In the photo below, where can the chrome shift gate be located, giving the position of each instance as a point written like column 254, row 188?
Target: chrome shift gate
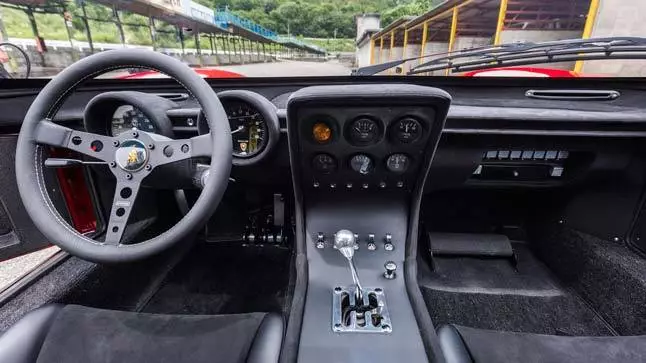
column 350, row 315
column 356, row 309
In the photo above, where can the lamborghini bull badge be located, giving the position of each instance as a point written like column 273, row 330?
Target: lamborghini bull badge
column 132, row 155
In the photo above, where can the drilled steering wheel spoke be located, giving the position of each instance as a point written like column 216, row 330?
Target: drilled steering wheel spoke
column 170, row 151
column 93, row 145
column 122, row 205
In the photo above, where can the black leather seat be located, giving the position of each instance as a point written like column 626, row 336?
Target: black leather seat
column 70, row 334
column 466, row 345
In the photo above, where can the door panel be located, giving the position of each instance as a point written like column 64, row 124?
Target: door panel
column 18, row 235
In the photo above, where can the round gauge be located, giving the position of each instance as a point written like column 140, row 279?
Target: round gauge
column 127, row 117
column 407, row 130
column 362, row 164
column 398, row 163
column 248, row 128
column 363, row 131
column 321, row 132
column 324, row 163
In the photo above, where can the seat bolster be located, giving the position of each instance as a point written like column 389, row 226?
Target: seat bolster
column 453, row 347
column 23, row 341
column 266, row 345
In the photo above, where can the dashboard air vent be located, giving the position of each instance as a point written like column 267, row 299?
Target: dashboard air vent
column 573, row 95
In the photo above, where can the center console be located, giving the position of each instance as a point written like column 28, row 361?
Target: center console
column 360, row 156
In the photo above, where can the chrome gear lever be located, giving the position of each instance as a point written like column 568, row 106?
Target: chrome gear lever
column 345, row 242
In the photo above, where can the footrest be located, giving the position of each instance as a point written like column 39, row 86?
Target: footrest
column 471, row 245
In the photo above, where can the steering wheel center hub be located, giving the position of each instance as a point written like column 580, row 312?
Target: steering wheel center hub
column 132, row 155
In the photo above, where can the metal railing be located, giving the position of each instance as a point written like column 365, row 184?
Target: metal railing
column 224, row 18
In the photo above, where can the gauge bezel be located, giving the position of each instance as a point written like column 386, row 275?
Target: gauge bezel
column 349, row 125
column 395, row 126
column 227, row 104
column 410, row 163
column 267, row 110
column 97, row 117
column 372, row 160
column 336, row 163
column 331, row 122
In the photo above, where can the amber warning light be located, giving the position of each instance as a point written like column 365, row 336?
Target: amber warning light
column 321, row 132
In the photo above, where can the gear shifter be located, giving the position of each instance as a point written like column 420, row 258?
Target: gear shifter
column 345, row 242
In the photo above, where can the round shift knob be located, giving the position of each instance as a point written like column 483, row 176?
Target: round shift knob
column 345, row 242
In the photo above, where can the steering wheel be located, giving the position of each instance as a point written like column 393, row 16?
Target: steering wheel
column 131, row 157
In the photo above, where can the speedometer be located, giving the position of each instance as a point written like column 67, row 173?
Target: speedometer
column 248, row 128
column 127, row 117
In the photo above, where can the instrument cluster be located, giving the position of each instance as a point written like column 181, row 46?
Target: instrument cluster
column 361, row 133
column 127, row 117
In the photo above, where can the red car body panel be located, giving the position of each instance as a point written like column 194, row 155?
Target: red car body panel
column 523, row 72
column 204, row 72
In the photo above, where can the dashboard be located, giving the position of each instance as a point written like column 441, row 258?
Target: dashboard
column 487, row 120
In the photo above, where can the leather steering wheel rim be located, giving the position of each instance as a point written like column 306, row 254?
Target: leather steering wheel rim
column 33, row 134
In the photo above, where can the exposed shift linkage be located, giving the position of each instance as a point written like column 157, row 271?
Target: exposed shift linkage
column 345, row 241
column 366, row 311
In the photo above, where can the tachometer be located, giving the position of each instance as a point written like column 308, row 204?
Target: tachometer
column 126, row 117
column 248, row 128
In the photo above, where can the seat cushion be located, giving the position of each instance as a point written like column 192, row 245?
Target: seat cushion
column 80, row 334
column 461, row 344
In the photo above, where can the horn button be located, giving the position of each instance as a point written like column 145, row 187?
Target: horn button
column 132, row 155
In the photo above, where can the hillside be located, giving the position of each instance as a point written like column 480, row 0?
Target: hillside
column 319, row 18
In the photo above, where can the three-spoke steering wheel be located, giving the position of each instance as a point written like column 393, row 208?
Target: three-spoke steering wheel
column 131, row 157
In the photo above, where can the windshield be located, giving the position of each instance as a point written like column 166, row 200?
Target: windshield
column 286, row 38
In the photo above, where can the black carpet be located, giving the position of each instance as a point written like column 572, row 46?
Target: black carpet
column 608, row 274
column 216, row 279
column 493, row 294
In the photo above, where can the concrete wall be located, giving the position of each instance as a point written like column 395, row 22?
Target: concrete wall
column 412, row 50
column 619, row 18
column 470, row 42
column 434, row 48
column 367, row 22
column 514, row 36
column 397, row 53
column 383, row 56
column 54, row 60
column 363, row 54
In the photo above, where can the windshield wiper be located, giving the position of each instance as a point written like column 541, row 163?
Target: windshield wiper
column 517, row 54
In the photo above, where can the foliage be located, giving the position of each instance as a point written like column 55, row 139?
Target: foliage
column 320, row 18
column 325, row 19
column 332, row 45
